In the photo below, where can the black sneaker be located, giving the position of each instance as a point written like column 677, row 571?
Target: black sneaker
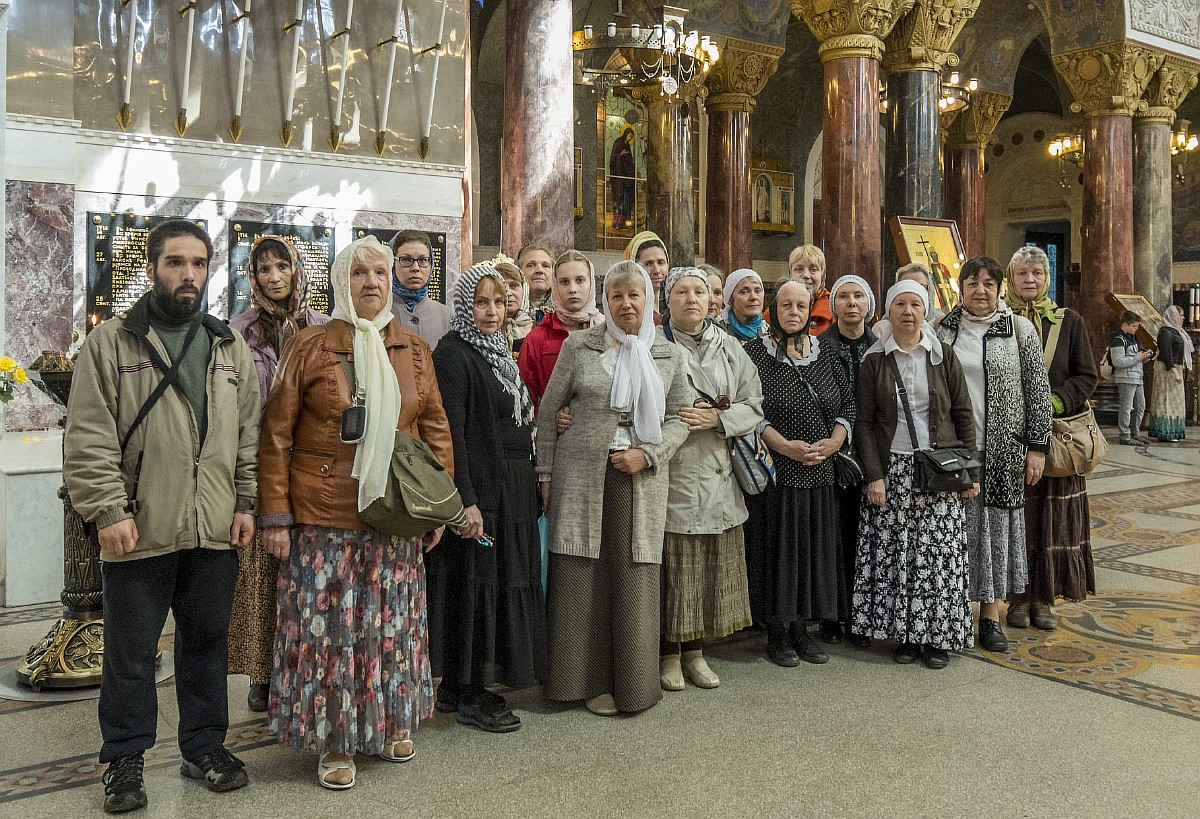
column 123, row 787
column 217, row 770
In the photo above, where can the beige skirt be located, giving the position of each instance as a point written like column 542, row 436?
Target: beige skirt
column 704, row 591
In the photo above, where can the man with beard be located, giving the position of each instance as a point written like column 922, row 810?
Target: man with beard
column 160, row 457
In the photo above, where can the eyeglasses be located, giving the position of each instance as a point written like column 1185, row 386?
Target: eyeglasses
column 408, row 261
column 721, row 402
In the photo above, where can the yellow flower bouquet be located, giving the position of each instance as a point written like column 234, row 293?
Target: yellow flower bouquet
column 11, row 373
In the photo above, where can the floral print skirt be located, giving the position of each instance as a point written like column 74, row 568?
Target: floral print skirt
column 351, row 649
column 910, row 582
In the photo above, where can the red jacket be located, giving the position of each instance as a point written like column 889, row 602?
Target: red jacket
column 538, row 355
column 821, row 317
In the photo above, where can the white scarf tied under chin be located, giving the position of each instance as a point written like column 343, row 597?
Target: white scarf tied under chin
column 373, row 372
column 637, row 385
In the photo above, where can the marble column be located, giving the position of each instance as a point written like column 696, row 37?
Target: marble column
column 733, row 83
column 537, row 168
column 967, row 137
column 1107, row 227
column 1152, row 177
column 913, row 186
column 1152, row 209
column 669, row 210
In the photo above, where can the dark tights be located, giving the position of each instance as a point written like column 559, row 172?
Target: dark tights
column 666, row 647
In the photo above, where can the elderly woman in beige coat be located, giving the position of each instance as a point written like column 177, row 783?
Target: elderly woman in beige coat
column 604, row 483
column 704, row 560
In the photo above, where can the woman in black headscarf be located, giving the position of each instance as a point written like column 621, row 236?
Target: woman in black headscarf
column 793, row 540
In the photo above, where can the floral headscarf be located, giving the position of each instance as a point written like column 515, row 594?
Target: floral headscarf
column 277, row 323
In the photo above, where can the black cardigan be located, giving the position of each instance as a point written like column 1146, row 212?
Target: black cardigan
column 469, row 393
column 1170, row 348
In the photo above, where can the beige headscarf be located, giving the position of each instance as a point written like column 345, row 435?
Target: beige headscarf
column 372, row 371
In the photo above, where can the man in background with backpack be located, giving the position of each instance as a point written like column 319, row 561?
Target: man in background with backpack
column 1127, row 359
column 160, row 457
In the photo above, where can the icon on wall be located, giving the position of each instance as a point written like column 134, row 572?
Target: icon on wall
column 772, row 197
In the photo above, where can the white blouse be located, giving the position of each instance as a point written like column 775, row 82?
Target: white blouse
column 914, row 375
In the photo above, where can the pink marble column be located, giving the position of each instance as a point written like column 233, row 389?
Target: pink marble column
column 727, row 231
column 964, row 196
column 537, row 169
column 1107, row 220
column 851, row 188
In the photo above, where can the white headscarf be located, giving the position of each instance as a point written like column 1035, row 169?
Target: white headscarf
column 731, row 283
column 637, row 385
column 883, row 328
column 866, row 288
column 373, row 372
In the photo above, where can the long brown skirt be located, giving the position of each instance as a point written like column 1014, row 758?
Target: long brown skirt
column 704, row 586
column 252, row 623
column 1058, row 540
column 602, row 614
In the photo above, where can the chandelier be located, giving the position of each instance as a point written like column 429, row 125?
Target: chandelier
column 955, row 95
column 1182, row 146
column 1068, row 150
column 663, row 53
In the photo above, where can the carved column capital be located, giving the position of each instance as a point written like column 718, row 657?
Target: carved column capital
column 739, row 76
column 1167, row 88
column 921, row 39
column 1109, row 78
column 851, row 28
column 975, row 124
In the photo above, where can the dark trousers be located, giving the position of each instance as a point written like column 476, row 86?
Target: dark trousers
column 196, row 585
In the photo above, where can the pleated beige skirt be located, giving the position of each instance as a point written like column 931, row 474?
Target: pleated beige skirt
column 704, row 593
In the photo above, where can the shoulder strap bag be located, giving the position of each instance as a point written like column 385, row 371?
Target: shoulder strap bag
column 420, row 495
column 934, row 470
column 1077, row 446
column 753, row 466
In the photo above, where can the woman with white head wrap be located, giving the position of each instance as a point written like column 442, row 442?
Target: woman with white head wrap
column 1175, row 355
column 486, row 609
column 351, row 653
column 911, row 578
column 704, row 558
column 742, row 317
column 604, row 485
column 847, row 339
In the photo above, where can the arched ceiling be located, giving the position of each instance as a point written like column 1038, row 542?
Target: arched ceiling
column 993, row 42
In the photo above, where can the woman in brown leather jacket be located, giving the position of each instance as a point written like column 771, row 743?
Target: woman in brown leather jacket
column 351, row 653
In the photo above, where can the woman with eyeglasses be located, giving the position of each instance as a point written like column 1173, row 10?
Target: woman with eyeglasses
column 704, row 559
column 794, row 551
column 411, row 305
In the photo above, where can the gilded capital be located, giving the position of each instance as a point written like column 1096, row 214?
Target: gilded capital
column 851, row 28
column 739, row 76
column 975, row 124
column 1110, row 78
column 922, row 38
column 1167, row 88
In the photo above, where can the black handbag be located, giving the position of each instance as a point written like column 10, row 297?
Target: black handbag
column 935, row 471
column 847, row 471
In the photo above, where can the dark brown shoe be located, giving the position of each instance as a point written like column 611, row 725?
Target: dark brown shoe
column 1018, row 614
column 1042, row 617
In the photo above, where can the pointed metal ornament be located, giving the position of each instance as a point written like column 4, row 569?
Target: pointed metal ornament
column 424, row 149
column 235, row 129
column 335, row 138
column 285, row 136
column 181, row 122
column 125, row 116
column 381, row 144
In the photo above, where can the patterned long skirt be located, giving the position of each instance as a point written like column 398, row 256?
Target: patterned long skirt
column 351, row 651
column 1059, row 542
column 996, row 551
column 1167, row 406
column 704, row 586
column 252, row 622
column 911, row 579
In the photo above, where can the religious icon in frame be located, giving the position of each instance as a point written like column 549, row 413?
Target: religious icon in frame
column 934, row 243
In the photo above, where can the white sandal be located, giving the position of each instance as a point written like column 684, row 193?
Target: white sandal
column 389, row 752
column 324, row 769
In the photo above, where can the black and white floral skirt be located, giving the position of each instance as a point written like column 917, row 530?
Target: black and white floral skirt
column 910, row 581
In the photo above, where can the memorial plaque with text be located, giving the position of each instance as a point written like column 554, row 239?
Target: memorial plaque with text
column 437, row 255
column 116, row 261
column 313, row 243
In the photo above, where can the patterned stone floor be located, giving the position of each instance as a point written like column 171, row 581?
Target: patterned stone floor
column 1096, row 719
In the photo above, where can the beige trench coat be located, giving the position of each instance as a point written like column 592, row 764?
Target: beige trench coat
column 704, row 496
column 576, row 460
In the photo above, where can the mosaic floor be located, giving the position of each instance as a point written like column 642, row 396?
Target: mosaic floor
column 1123, row 669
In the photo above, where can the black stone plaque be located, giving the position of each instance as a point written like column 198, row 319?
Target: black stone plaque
column 437, row 254
column 314, row 243
column 116, row 270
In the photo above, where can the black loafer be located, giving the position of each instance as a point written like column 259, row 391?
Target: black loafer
column 809, row 649
column 935, row 658
column 256, row 700
column 488, row 715
column 831, row 632
column 991, row 636
column 906, row 653
column 782, row 654
column 860, row 640
column 447, row 699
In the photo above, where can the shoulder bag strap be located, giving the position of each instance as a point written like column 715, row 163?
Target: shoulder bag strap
column 170, row 376
column 820, row 407
column 348, row 369
column 912, row 428
column 1052, row 339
